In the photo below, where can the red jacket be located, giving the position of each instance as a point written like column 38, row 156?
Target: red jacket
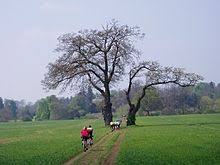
column 84, row 133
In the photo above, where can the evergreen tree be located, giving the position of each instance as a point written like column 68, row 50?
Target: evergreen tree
column 10, row 105
column 91, row 107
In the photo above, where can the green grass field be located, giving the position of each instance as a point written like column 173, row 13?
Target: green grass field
column 46, row 142
column 187, row 139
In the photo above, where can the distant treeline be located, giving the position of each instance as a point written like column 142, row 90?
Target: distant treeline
column 49, row 108
column 167, row 99
column 172, row 99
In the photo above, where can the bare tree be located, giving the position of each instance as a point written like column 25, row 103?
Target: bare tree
column 155, row 75
column 98, row 57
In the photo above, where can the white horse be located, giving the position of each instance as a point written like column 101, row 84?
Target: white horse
column 115, row 124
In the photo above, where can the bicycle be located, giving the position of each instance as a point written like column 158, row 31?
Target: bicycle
column 85, row 144
column 90, row 141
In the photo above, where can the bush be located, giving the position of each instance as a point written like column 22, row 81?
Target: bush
column 26, row 118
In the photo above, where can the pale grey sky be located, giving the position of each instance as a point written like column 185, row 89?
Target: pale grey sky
column 181, row 33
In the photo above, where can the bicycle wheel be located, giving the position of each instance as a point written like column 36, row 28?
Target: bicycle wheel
column 91, row 142
column 84, row 142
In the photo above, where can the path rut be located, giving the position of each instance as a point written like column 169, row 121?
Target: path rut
column 103, row 152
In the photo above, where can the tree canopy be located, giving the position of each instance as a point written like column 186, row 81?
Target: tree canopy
column 155, row 74
column 96, row 57
column 99, row 58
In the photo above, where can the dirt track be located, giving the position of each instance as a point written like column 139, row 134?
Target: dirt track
column 102, row 152
column 114, row 151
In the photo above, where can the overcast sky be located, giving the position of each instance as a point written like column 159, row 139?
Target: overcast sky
column 180, row 33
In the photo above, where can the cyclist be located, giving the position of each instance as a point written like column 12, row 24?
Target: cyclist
column 90, row 131
column 84, row 135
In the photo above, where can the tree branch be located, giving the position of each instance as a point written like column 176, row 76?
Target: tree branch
column 95, row 86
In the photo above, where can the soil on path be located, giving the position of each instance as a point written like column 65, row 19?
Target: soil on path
column 102, row 152
column 111, row 159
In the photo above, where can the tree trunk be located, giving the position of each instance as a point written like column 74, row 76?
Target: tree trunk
column 131, row 115
column 107, row 111
column 183, row 111
column 148, row 112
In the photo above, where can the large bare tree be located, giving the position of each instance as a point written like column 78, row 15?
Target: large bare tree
column 97, row 57
column 155, row 74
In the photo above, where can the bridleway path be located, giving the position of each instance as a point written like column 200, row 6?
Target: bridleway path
column 103, row 152
column 111, row 159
